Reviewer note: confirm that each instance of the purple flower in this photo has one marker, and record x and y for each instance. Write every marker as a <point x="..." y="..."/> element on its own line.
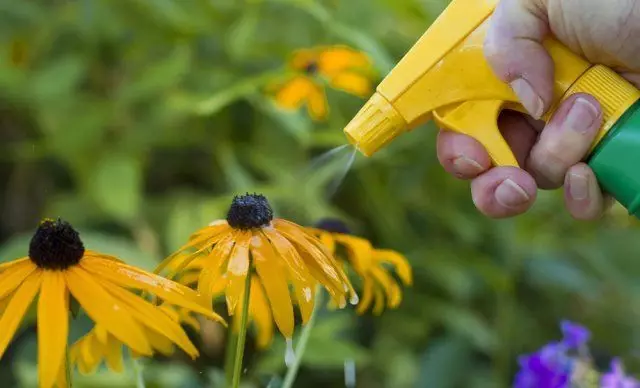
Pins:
<point x="616" y="378"/>
<point x="550" y="367"/>
<point x="574" y="335"/>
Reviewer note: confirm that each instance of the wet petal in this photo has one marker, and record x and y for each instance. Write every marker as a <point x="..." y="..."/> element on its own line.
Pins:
<point x="321" y="258"/>
<point x="105" y="310"/>
<point x="303" y="282"/>
<point x="17" y="307"/>
<point x="14" y="275"/>
<point x="399" y="261"/>
<point x="129" y="276"/>
<point x="352" y="83"/>
<point x="237" y="270"/>
<point x="53" y="330"/>
<point x="153" y="317"/>
<point x="273" y="279"/>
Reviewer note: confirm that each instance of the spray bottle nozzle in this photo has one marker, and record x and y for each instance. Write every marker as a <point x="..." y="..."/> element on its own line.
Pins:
<point x="375" y="125"/>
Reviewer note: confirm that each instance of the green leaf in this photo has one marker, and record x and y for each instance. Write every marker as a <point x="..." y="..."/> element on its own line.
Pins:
<point x="445" y="363"/>
<point x="56" y="81"/>
<point x="116" y="186"/>
<point x="239" y="42"/>
<point x="162" y="75"/>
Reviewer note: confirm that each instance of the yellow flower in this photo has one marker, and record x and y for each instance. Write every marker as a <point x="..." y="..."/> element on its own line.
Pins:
<point x="99" y="345"/>
<point x="259" y="311"/>
<point x="343" y="68"/>
<point x="59" y="267"/>
<point x="369" y="263"/>
<point x="280" y="252"/>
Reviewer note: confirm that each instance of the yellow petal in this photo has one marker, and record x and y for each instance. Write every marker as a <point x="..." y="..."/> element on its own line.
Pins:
<point x="340" y="58"/>
<point x="9" y="264"/>
<point x="17" y="307"/>
<point x="379" y="305"/>
<point x="151" y="316"/>
<point x="189" y="279"/>
<point x="14" y="275"/>
<point x="128" y="276"/>
<point x="261" y="313"/>
<point x="114" y="356"/>
<point x="293" y="93"/>
<point x="101" y="334"/>
<point x="105" y="310"/>
<point x="328" y="241"/>
<point x="367" y="295"/>
<point x="302" y="58"/>
<point x="237" y="270"/>
<point x="189" y="320"/>
<point x="359" y="251"/>
<point x="321" y="259"/>
<point x="204" y="237"/>
<point x="275" y="285"/>
<point x="161" y="343"/>
<point x="210" y="274"/>
<point x="61" y="380"/>
<point x="317" y="104"/>
<point x="399" y="261"/>
<point x="303" y="282"/>
<point x="388" y="285"/>
<point x="53" y="327"/>
<point x="351" y="82"/>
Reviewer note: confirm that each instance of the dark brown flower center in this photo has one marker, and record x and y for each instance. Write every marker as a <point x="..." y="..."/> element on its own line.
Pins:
<point x="333" y="225"/>
<point x="55" y="245"/>
<point x="249" y="211"/>
<point x="311" y="68"/>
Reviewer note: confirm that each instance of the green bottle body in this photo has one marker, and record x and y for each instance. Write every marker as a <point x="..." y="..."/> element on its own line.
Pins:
<point x="616" y="160"/>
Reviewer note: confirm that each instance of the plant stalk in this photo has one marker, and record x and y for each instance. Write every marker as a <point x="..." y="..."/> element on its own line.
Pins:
<point x="242" y="333"/>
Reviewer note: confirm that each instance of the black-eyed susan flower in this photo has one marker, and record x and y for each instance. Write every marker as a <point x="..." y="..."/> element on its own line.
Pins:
<point x="341" y="67"/>
<point x="58" y="268"/>
<point x="98" y="345"/>
<point x="369" y="263"/>
<point x="279" y="251"/>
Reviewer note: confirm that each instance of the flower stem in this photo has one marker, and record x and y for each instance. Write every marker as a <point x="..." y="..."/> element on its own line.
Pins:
<point x="302" y="342"/>
<point x="229" y="356"/>
<point x="242" y="333"/>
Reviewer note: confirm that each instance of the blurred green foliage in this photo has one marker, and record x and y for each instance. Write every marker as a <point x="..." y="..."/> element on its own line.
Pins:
<point x="138" y="120"/>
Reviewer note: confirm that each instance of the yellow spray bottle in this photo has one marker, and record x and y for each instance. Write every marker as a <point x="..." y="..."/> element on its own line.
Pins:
<point x="445" y="77"/>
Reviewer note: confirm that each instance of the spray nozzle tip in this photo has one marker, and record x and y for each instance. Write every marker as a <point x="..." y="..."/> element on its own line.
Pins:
<point x="375" y="125"/>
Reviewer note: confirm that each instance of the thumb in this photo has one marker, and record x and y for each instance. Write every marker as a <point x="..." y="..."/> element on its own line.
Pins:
<point x="513" y="48"/>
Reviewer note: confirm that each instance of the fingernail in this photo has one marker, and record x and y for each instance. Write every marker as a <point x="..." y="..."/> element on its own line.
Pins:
<point x="528" y="97"/>
<point x="581" y="116"/>
<point x="509" y="194"/>
<point x="578" y="186"/>
<point x="465" y="166"/>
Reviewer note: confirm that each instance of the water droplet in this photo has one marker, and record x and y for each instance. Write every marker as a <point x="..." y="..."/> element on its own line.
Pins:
<point x="307" y="294"/>
<point x="289" y="354"/>
<point x="354" y="299"/>
<point x="349" y="373"/>
<point x="346" y="287"/>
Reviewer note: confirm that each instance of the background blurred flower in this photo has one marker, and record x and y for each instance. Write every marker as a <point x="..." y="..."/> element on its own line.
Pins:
<point x="342" y="67"/>
<point x="616" y="377"/>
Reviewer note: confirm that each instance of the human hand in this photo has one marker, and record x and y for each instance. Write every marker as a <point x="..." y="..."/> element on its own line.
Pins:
<point x="603" y="32"/>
